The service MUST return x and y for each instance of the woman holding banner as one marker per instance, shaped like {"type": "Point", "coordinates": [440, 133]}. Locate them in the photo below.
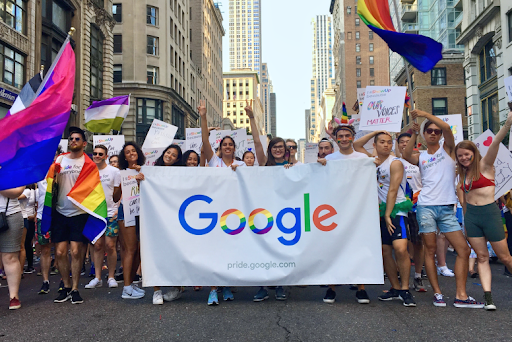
{"type": "Point", "coordinates": [248, 158]}
{"type": "Point", "coordinates": [190, 158]}
{"type": "Point", "coordinates": [482, 216]}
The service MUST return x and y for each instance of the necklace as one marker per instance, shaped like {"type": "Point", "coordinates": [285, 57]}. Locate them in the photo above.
{"type": "Point", "coordinates": [470, 184]}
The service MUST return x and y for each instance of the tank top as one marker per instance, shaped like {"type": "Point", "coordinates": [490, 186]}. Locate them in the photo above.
{"type": "Point", "coordinates": [438, 178]}
{"type": "Point", "coordinates": [383, 182]}
{"type": "Point", "coordinates": [482, 182]}
{"type": "Point", "coordinates": [413, 175]}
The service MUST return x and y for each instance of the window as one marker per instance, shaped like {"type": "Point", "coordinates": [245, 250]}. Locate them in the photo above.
{"type": "Point", "coordinates": [147, 110]}
{"type": "Point", "coordinates": [372, 72]}
{"type": "Point", "coordinates": [357, 34]}
{"type": "Point", "coordinates": [96, 63]}
{"type": "Point", "coordinates": [152, 75]}
{"type": "Point", "coordinates": [371, 59]}
{"type": "Point", "coordinates": [490, 113]}
{"type": "Point", "coordinates": [178, 120]}
{"type": "Point", "coordinates": [56, 20]}
{"type": "Point", "coordinates": [487, 59]}
{"type": "Point", "coordinates": [59, 17]}
{"type": "Point", "coordinates": [358, 59]}
{"type": "Point", "coordinates": [358, 84]}
{"type": "Point", "coordinates": [15, 14]}
{"type": "Point", "coordinates": [117, 12]}
{"type": "Point", "coordinates": [357, 21]}
{"type": "Point", "coordinates": [349, 9]}
{"type": "Point", "coordinates": [358, 72]}
{"type": "Point", "coordinates": [349, 35]}
{"type": "Point", "coordinates": [152, 46]}
{"type": "Point", "coordinates": [509, 23]}
{"type": "Point", "coordinates": [118, 43]}
{"type": "Point", "coordinates": [370, 35]}
{"type": "Point", "coordinates": [438, 76]}
{"type": "Point", "coordinates": [371, 47]}
{"type": "Point", "coordinates": [358, 47]}
{"type": "Point", "coordinates": [12, 67]}
{"type": "Point", "coordinates": [228, 113]}
{"type": "Point", "coordinates": [118, 73]}
{"type": "Point", "coordinates": [439, 106]}
{"type": "Point", "coordinates": [372, 82]}
{"type": "Point", "coordinates": [152, 15]}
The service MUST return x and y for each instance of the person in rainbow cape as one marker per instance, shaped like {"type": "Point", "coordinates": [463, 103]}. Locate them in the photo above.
{"type": "Point", "coordinates": [75, 211]}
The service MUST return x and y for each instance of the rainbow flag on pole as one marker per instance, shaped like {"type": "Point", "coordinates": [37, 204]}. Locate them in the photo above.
{"type": "Point", "coordinates": [87, 194]}
{"type": "Point", "coordinates": [106, 115]}
{"type": "Point", "coordinates": [422, 52]}
{"type": "Point", "coordinates": [29, 139]}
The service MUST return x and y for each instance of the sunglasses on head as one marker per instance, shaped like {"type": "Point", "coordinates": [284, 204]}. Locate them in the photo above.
{"type": "Point", "coordinates": [74, 139]}
{"type": "Point", "coordinates": [101, 154]}
{"type": "Point", "coordinates": [431, 130]}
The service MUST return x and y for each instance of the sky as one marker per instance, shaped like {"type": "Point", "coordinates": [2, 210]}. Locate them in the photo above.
{"type": "Point", "coordinates": [287, 49]}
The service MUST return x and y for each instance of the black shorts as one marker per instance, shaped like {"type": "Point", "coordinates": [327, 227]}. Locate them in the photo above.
{"type": "Point", "coordinates": [414, 229]}
{"type": "Point", "coordinates": [400, 223]}
{"type": "Point", "coordinates": [65, 229]}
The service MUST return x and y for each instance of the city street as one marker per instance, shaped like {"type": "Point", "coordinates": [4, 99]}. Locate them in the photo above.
{"type": "Point", "coordinates": [104, 316]}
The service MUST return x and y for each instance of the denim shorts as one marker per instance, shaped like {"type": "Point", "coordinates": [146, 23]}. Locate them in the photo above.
{"type": "Point", "coordinates": [431, 217]}
{"type": "Point", "coordinates": [120, 213]}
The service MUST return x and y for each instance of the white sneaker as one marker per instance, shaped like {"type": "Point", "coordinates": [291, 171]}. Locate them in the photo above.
{"type": "Point", "coordinates": [137, 289]}
{"type": "Point", "coordinates": [172, 295]}
{"type": "Point", "coordinates": [112, 283]}
{"type": "Point", "coordinates": [157, 297]}
{"type": "Point", "coordinates": [129, 293]}
{"type": "Point", "coordinates": [445, 271]}
{"type": "Point", "coordinates": [94, 283]}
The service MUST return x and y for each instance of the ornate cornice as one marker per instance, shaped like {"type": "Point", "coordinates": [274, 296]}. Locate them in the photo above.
{"type": "Point", "coordinates": [14, 38]}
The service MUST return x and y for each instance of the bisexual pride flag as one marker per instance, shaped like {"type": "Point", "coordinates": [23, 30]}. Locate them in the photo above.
{"type": "Point", "coordinates": [29, 139]}
{"type": "Point", "coordinates": [103, 116]}
{"type": "Point", "coordinates": [422, 52]}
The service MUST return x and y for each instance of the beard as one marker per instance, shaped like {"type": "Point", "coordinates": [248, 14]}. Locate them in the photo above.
{"type": "Point", "coordinates": [75, 148]}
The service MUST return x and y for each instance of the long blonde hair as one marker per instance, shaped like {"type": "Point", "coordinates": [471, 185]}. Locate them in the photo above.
{"type": "Point", "coordinates": [474, 167]}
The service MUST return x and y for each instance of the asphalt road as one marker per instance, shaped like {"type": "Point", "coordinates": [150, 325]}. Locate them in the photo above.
{"type": "Point", "coordinates": [104, 316]}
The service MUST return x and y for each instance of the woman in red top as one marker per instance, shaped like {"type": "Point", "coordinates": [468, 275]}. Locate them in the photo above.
{"type": "Point", "coordinates": [482, 217]}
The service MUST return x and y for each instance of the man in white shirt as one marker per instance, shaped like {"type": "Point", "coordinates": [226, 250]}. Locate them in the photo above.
{"type": "Point", "coordinates": [111, 181]}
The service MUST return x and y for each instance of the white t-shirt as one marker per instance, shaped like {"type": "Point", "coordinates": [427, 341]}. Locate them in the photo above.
{"type": "Point", "coordinates": [110, 178]}
{"type": "Point", "coordinates": [413, 175]}
{"type": "Point", "coordinates": [218, 162]}
{"type": "Point", "coordinates": [339, 156]}
{"type": "Point", "coordinates": [28, 204]}
{"type": "Point", "coordinates": [41, 193]}
{"type": "Point", "coordinates": [70, 170]}
{"type": "Point", "coordinates": [13, 208]}
{"type": "Point", "coordinates": [384, 180]}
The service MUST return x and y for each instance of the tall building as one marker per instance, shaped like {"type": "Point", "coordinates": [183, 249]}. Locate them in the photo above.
{"type": "Point", "coordinates": [309, 130]}
{"type": "Point", "coordinates": [301, 149]}
{"type": "Point", "coordinates": [273, 115]}
{"type": "Point", "coordinates": [266, 89]}
{"type": "Point", "coordinates": [338, 50]}
{"type": "Point", "coordinates": [322, 66]}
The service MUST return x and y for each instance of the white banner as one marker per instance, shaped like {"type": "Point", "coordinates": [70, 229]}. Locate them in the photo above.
{"type": "Point", "coordinates": [114, 143]}
{"type": "Point", "coordinates": [502, 164]}
{"type": "Point", "coordinates": [261, 226]}
{"type": "Point", "coordinates": [311, 153]}
{"type": "Point", "coordinates": [131, 196]}
{"type": "Point", "coordinates": [160, 134]}
{"type": "Point", "coordinates": [383, 108]}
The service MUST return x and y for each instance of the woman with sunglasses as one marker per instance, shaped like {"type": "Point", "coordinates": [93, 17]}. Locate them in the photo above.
{"type": "Point", "coordinates": [291, 145]}
{"type": "Point", "coordinates": [482, 217]}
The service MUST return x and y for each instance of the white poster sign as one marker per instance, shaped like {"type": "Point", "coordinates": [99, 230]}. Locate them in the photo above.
{"type": "Point", "coordinates": [455, 122]}
{"type": "Point", "coordinates": [383, 109]}
{"type": "Point", "coordinates": [502, 165]}
{"type": "Point", "coordinates": [64, 145]}
{"type": "Point", "coordinates": [181, 144]}
{"type": "Point", "coordinates": [261, 226]}
{"type": "Point", "coordinates": [131, 196]}
{"type": "Point", "coordinates": [357, 120]}
{"type": "Point", "coordinates": [193, 139]}
{"type": "Point", "coordinates": [240, 138]}
{"type": "Point", "coordinates": [114, 143]}
{"type": "Point", "coordinates": [161, 134]}
{"type": "Point", "coordinates": [508, 87]}
{"type": "Point", "coordinates": [152, 154]}
{"type": "Point", "coordinates": [311, 153]}
{"type": "Point", "coordinates": [360, 97]}
{"type": "Point", "coordinates": [216, 136]}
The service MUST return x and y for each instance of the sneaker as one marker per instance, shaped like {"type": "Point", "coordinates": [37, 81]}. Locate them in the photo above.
{"type": "Point", "coordinates": [212, 298]}
{"type": "Point", "coordinates": [362, 297]}
{"type": "Point", "coordinates": [261, 295]}
{"type": "Point", "coordinates": [137, 279]}
{"type": "Point", "coordinates": [94, 283]}
{"type": "Point", "coordinates": [61, 285]}
{"type": "Point", "coordinates": [418, 285]}
{"type": "Point", "coordinates": [39, 274]}
{"type": "Point", "coordinates": [445, 272]}
{"type": "Point", "coordinates": [14, 304]}
{"type": "Point", "coordinates": [138, 289]}
{"type": "Point", "coordinates": [473, 275]}
{"type": "Point", "coordinates": [423, 274]}
{"type": "Point", "coordinates": [75, 297]}
{"type": "Point", "coordinates": [157, 298]}
{"type": "Point", "coordinates": [173, 294]}
{"type": "Point", "coordinates": [468, 303]}
{"type": "Point", "coordinates": [119, 277]}
{"type": "Point", "coordinates": [392, 294]}
{"type": "Point", "coordinates": [407, 298]}
{"type": "Point", "coordinates": [82, 272]}
{"type": "Point", "coordinates": [330, 296]}
{"type": "Point", "coordinates": [439, 300]}
{"type": "Point", "coordinates": [112, 283]}
{"type": "Point", "coordinates": [280, 295]}
{"type": "Point", "coordinates": [130, 293]}
{"type": "Point", "coordinates": [489, 304]}
{"type": "Point", "coordinates": [45, 288]}
{"type": "Point", "coordinates": [54, 271]}
{"type": "Point", "coordinates": [507, 273]}
{"type": "Point", "coordinates": [29, 270]}
{"type": "Point", "coordinates": [92, 271]}
{"type": "Point", "coordinates": [227, 294]}
{"type": "Point", "coordinates": [64, 295]}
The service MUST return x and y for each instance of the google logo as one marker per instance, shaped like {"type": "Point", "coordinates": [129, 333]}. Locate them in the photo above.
{"type": "Point", "coordinates": [150, 153]}
{"type": "Point", "coordinates": [320, 214]}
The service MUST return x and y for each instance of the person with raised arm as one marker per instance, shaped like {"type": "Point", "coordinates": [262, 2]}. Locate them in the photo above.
{"type": "Point", "coordinates": [482, 217]}
{"type": "Point", "coordinates": [436, 203]}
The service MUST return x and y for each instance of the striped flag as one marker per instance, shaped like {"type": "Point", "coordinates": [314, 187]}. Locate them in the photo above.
{"type": "Point", "coordinates": [27, 94]}
{"type": "Point", "coordinates": [106, 115]}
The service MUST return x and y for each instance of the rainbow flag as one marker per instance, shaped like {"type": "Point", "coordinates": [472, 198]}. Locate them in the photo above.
{"type": "Point", "coordinates": [29, 139]}
{"type": "Point", "coordinates": [344, 115]}
{"type": "Point", "coordinates": [422, 52]}
{"type": "Point", "coordinates": [87, 194]}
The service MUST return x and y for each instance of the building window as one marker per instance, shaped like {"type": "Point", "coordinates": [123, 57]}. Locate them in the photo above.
{"type": "Point", "coordinates": [439, 106]}
{"type": "Point", "coordinates": [358, 47]}
{"type": "Point", "coordinates": [118, 43]}
{"type": "Point", "coordinates": [358, 72]}
{"type": "Point", "coordinates": [178, 120]}
{"type": "Point", "coordinates": [152, 46]}
{"type": "Point", "coordinates": [371, 47]}
{"type": "Point", "coordinates": [349, 35]}
{"type": "Point", "coordinates": [490, 113]}
{"type": "Point", "coordinates": [117, 12]}
{"type": "Point", "coordinates": [147, 110]}
{"type": "Point", "coordinates": [96, 63]}
{"type": "Point", "coordinates": [152, 15]}
{"type": "Point", "coordinates": [372, 72]}
{"type": "Point", "coordinates": [349, 9]}
{"type": "Point", "coordinates": [12, 67]}
{"type": "Point", "coordinates": [372, 82]}
{"type": "Point", "coordinates": [357, 21]}
{"type": "Point", "coordinates": [118, 73]}
{"type": "Point", "coordinates": [487, 59]}
{"type": "Point", "coordinates": [358, 59]}
{"type": "Point", "coordinates": [370, 35]}
{"type": "Point", "coordinates": [371, 59]}
{"type": "Point", "coordinates": [358, 84]}
{"type": "Point", "coordinates": [229, 113]}
{"type": "Point", "coordinates": [357, 34]}
{"type": "Point", "coordinates": [509, 23]}
{"type": "Point", "coordinates": [14, 14]}
{"type": "Point", "coordinates": [152, 75]}
{"type": "Point", "coordinates": [438, 76]}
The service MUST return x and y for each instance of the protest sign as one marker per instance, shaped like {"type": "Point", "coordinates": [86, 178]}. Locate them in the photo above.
{"type": "Point", "coordinates": [216, 136]}
{"type": "Point", "coordinates": [64, 145]}
{"type": "Point", "coordinates": [161, 134]}
{"type": "Point", "coordinates": [114, 143]}
{"type": "Point", "coordinates": [311, 153]}
{"type": "Point", "coordinates": [181, 144]}
{"type": "Point", "coordinates": [383, 109]}
{"type": "Point", "coordinates": [131, 196]}
{"type": "Point", "coordinates": [359, 134]}
{"type": "Point", "coordinates": [254, 226]}
{"type": "Point", "coordinates": [152, 154]}
{"type": "Point", "coordinates": [193, 139]}
{"type": "Point", "coordinates": [455, 122]}
{"type": "Point", "coordinates": [508, 87]}
{"type": "Point", "coordinates": [240, 138]}
{"type": "Point", "coordinates": [502, 164]}
{"type": "Point", "coordinates": [360, 97]}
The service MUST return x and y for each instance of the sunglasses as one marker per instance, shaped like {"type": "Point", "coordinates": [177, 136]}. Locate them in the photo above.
{"type": "Point", "coordinates": [431, 130]}
{"type": "Point", "coordinates": [281, 147]}
{"type": "Point", "coordinates": [98, 154]}
{"type": "Point", "coordinates": [292, 147]}
{"type": "Point", "coordinates": [74, 139]}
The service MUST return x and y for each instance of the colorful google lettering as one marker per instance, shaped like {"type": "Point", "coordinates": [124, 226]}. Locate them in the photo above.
{"type": "Point", "coordinates": [318, 218]}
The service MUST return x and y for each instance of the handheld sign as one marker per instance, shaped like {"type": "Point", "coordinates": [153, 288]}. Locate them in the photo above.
{"type": "Point", "coordinates": [240, 138]}
{"type": "Point", "coordinates": [64, 145]}
{"type": "Point", "coordinates": [360, 97]}
{"type": "Point", "coordinates": [152, 154]}
{"type": "Point", "coordinates": [114, 143]}
{"type": "Point", "coordinates": [181, 144]}
{"type": "Point", "coordinates": [311, 154]}
{"type": "Point", "coordinates": [508, 87]}
{"type": "Point", "coordinates": [131, 199]}
{"type": "Point", "coordinates": [455, 122]}
{"type": "Point", "coordinates": [383, 109]}
{"type": "Point", "coordinates": [161, 134]}
{"type": "Point", "coordinates": [193, 139]}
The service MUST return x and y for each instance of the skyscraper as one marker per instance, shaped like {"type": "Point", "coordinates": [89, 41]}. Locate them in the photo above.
{"type": "Point", "coordinates": [266, 84]}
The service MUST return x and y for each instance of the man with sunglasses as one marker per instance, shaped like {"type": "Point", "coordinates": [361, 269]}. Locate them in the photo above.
{"type": "Point", "coordinates": [436, 203]}
{"type": "Point", "coordinates": [111, 181]}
